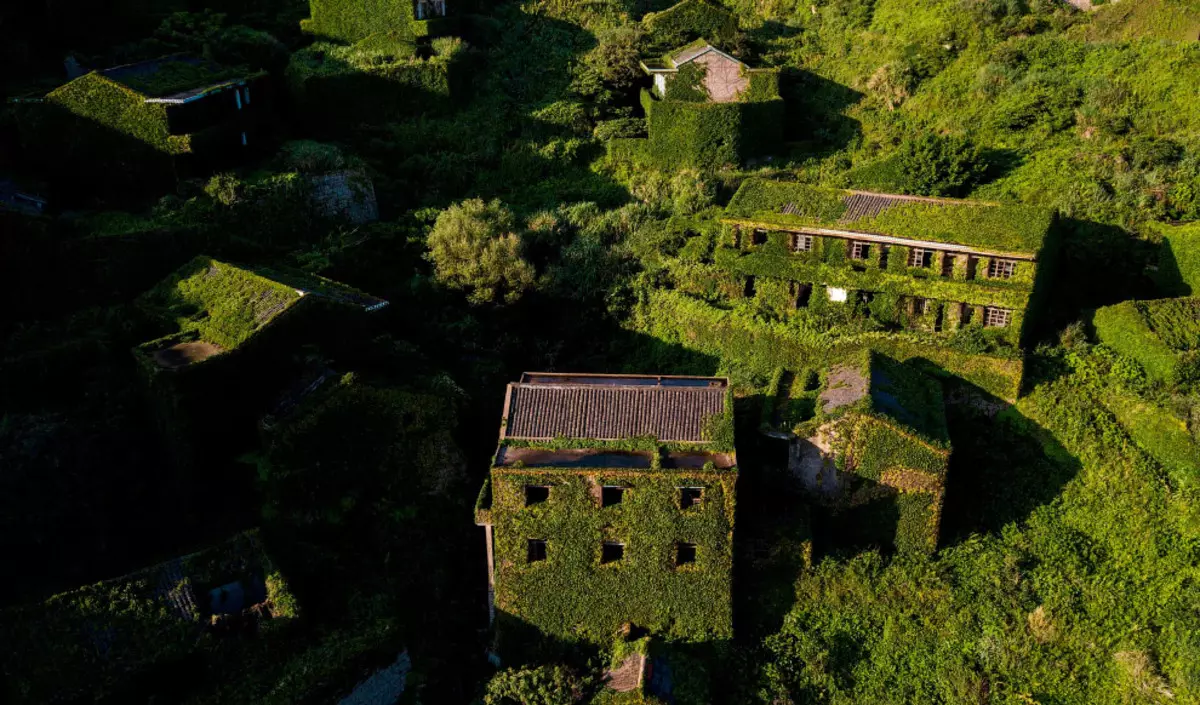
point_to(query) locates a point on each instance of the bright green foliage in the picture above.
(374, 81)
(765, 347)
(1179, 264)
(692, 19)
(703, 135)
(542, 685)
(218, 302)
(571, 595)
(352, 20)
(989, 226)
(474, 247)
(940, 166)
(89, 642)
(1162, 335)
(1164, 436)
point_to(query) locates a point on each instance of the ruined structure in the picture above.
(610, 502)
(149, 120)
(706, 109)
(354, 20)
(122, 640)
(227, 349)
(876, 452)
(932, 264)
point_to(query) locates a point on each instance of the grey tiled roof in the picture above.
(610, 412)
(867, 205)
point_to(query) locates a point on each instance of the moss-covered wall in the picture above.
(571, 596)
(352, 20)
(688, 134)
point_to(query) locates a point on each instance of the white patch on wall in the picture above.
(836, 294)
(660, 84)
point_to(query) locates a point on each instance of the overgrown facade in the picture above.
(610, 504)
(148, 119)
(931, 264)
(876, 451)
(706, 109)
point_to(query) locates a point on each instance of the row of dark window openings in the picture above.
(993, 316)
(611, 495)
(612, 552)
(919, 257)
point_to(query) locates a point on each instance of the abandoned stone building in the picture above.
(932, 264)
(353, 20)
(723, 78)
(876, 452)
(229, 335)
(124, 639)
(610, 502)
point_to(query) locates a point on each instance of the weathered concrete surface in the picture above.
(723, 78)
(628, 676)
(811, 461)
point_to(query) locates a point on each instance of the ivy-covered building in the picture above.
(354, 20)
(932, 264)
(610, 503)
(230, 336)
(199, 619)
(876, 451)
(149, 119)
(706, 109)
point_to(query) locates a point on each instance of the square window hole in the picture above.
(536, 494)
(536, 550)
(611, 495)
(611, 552)
(685, 553)
(690, 497)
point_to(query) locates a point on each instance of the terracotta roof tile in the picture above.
(610, 412)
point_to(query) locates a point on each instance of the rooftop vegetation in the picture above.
(1003, 228)
(218, 302)
(171, 75)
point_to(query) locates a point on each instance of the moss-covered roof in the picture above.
(90, 641)
(218, 302)
(1001, 228)
(171, 75)
(225, 305)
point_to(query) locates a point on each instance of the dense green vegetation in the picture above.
(511, 240)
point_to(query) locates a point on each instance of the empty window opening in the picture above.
(860, 250)
(803, 294)
(611, 495)
(685, 553)
(996, 317)
(948, 265)
(919, 257)
(920, 306)
(1002, 269)
(759, 237)
(611, 552)
(866, 297)
(246, 95)
(536, 494)
(237, 98)
(966, 312)
(937, 319)
(690, 497)
(802, 243)
(972, 263)
(535, 550)
(883, 256)
(749, 291)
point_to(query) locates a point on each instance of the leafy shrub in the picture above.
(620, 127)
(940, 166)
(543, 685)
(474, 247)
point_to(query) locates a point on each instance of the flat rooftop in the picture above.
(545, 406)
